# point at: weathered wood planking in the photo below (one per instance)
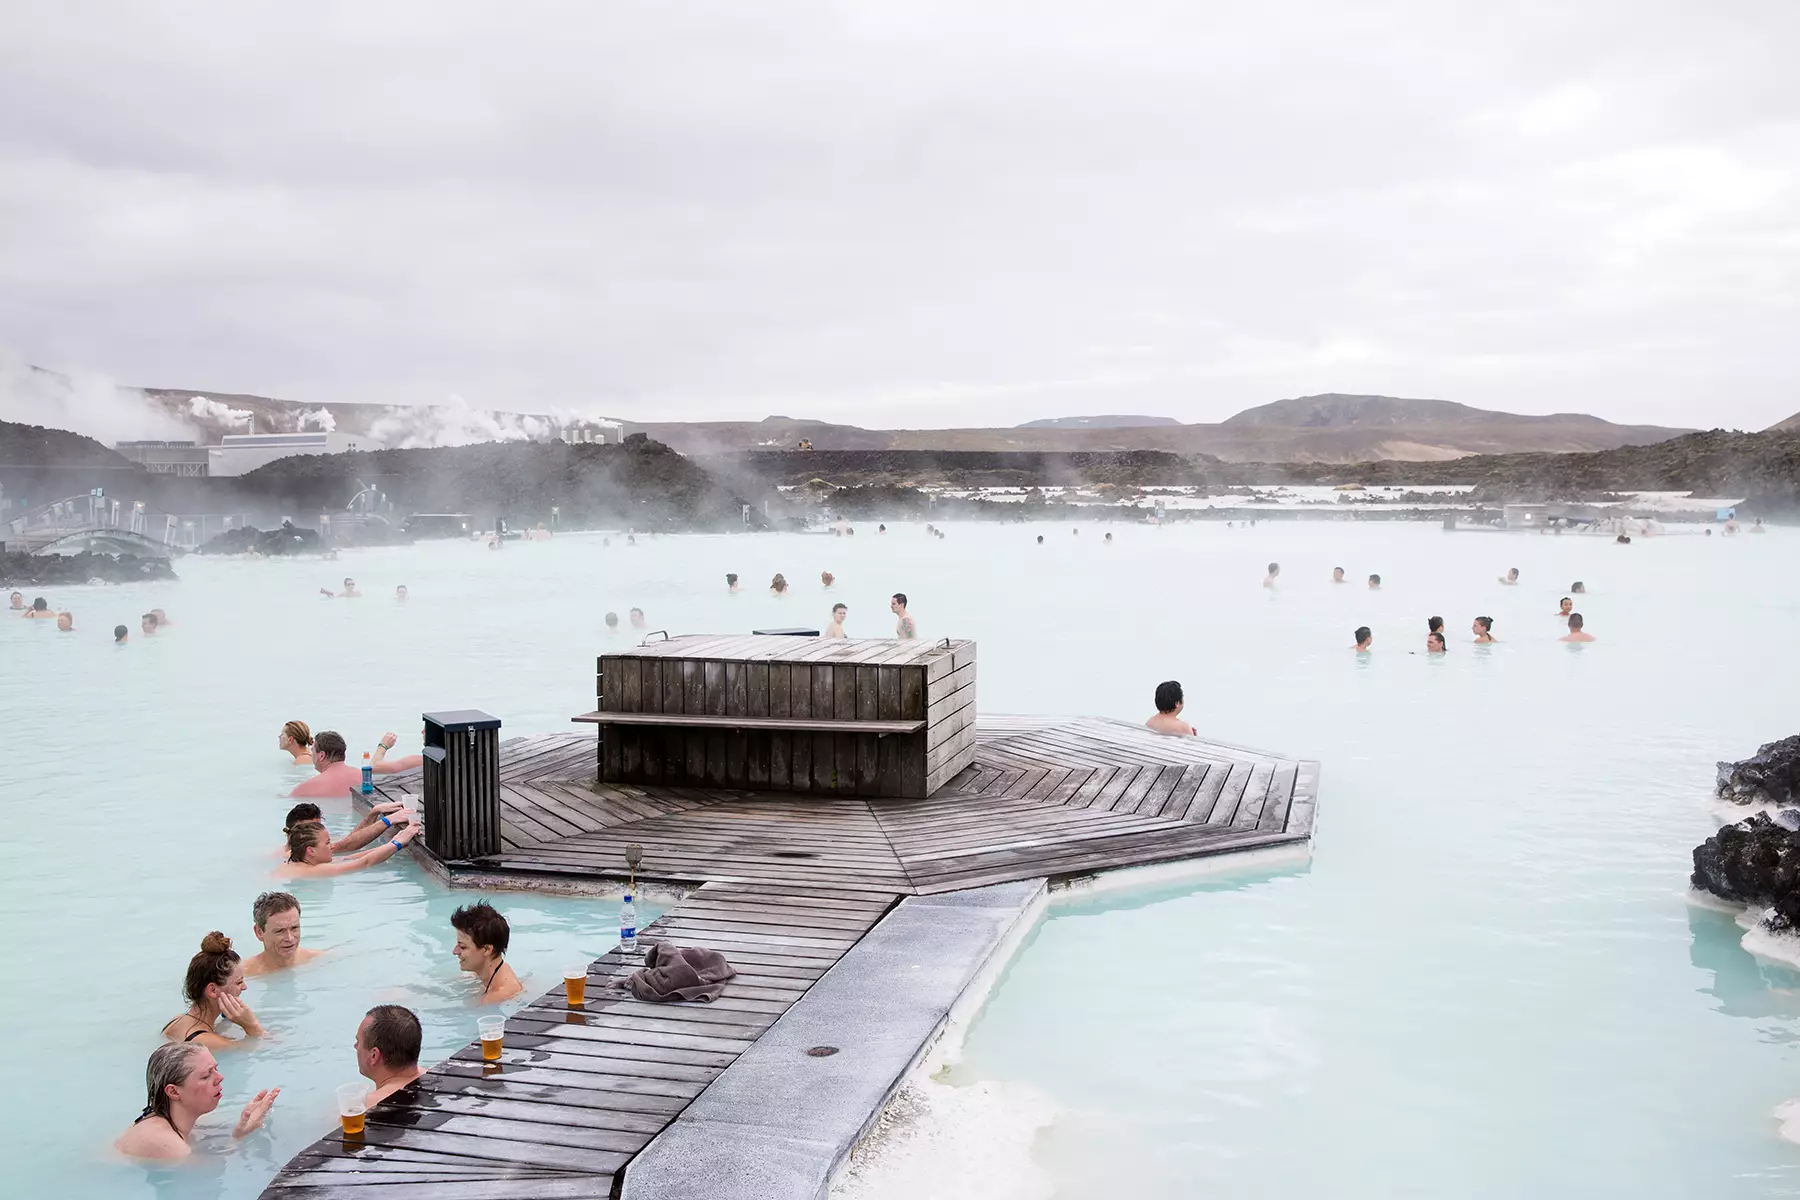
(839, 717)
(578, 1091)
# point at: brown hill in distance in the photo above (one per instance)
(1337, 410)
(1791, 425)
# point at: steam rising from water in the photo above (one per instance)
(456, 423)
(83, 401)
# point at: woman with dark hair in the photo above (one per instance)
(778, 586)
(1434, 643)
(215, 980)
(1483, 629)
(183, 1084)
(1434, 625)
(296, 738)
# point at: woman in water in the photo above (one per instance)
(215, 980)
(296, 738)
(778, 585)
(1434, 625)
(184, 1084)
(1483, 629)
(1434, 643)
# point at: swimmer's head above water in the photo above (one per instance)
(299, 813)
(1565, 607)
(1578, 587)
(612, 620)
(18, 598)
(1168, 697)
(1434, 643)
(1434, 625)
(1337, 574)
(1374, 582)
(120, 635)
(1364, 637)
(328, 747)
(1482, 627)
(147, 622)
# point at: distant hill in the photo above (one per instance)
(1792, 424)
(1336, 410)
(1111, 421)
(36, 447)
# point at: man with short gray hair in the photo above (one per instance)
(276, 923)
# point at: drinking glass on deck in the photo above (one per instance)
(575, 986)
(353, 1103)
(492, 1030)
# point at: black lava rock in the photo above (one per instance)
(247, 539)
(1756, 861)
(1771, 776)
(65, 570)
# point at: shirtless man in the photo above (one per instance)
(400, 593)
(482, 935)
(731, 582)
(39, 611)
(1434, 643)
(1565, 607)
(1576, 632)
(1364, 639)
(1168, 711)
(276, 917)
(349, 592)
(310, 852)
(335, 776)
(65, 621)
(162, 618)
(1483, 629)
(904, 626)
(637, 618)
(826, 579)
(148, 624)
(1374, 583)
(1337, 575)
(836, 628)
(1269, 579)
(383, 765)
(1511, 578)
(387, 1050)
(18, 601)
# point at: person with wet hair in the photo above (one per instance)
(275, 919)
(182, 1083)
(1337, 575)
(778, 586)
(1365, 639)
(1167, 718)
(296, 738)
(39, 611)
(388, 815)
(387, 1050)
(1374, 583)
(1483, 629)
(121, 635)
(212, 986)
(1511, 578)
(731, 584)
(836, 628)
(18, 602)
(334, 776)
(148, 623)
(482, 936)
(1274, 571)
(1576, 632)
(1434, 643)
(612, 622)
(1565, 606)
(1434, 625)
(637, 618)
(312, 853)
(1578, 587)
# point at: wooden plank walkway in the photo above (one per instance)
(579, 1091)
(1057, 797)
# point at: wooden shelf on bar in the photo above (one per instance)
(788, 724)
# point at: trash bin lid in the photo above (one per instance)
(785, 632)
(459, 719)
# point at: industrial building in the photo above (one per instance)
(166, 458)
(241, 453)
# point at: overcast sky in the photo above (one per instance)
(904, 212)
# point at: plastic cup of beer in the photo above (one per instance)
(492, 1030)
(353, 1103)
(575, 986)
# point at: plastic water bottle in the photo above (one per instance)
(628, 926)
(368, 775)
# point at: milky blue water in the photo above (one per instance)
(1487, 982)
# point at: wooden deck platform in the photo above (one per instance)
(1045, 796)
(578, 1092)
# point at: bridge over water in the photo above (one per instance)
(106, 525)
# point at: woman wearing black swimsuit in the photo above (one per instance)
(184, 1085)
(215, 980)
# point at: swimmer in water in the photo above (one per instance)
(612, 622)
(275, 919)
(334, 776)
(1483, 629)
(1565, 606)
(1758, 527)
(214, 983)
(65, 620)
(1511, 578)
(39, 611)
(375, 823)
(1109, 539)
(637, 618)
(147, 623)
(1169, 704)
(836, 628)
(826, 578)
(183, 1084)
(1374, 583)
(296, 738)
(1269, 579)
(904, 627)
(400, 593)
(1364, 639)
(731, 582)
(1434, 625)
(1040, 542)
(18, 598)
(1578, 587)
(482, 935)
(1434, 643)
(778, 586)
(121, 635)
(310, 851)
(387, 1050)
(162, 618)
(381, 764)
(1576, 632)
(1337, 575)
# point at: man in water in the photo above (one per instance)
(387, 1050)
(65, 621)
(482, 935)
(1511, 578)
(1269, 579)
(1374, 583)
(1109, 539)
(18, 599)
(335, 776)
(612, 622)
(1168, 711)
(903, 626)
(1483, 629)
(836, 628)
(637, 618)
(121, 635)
(731, 582)
(162, 618)
(276, 923)
(1364, 639)
(1337, 575)
(310, 852)
(400, 593)
(147, 623)
(1564, 607)
(350, 592)
(381, 764)
(1576, 632)
(39, 611)
(826, 578)
(1434, 643)
(1040, 542)
(1578, 587)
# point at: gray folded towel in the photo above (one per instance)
(679, 973)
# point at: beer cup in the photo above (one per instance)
(353, 1103)
(492, 1030)
(575, 986)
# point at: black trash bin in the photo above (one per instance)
(462, 784)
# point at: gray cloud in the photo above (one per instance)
(911, 212)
